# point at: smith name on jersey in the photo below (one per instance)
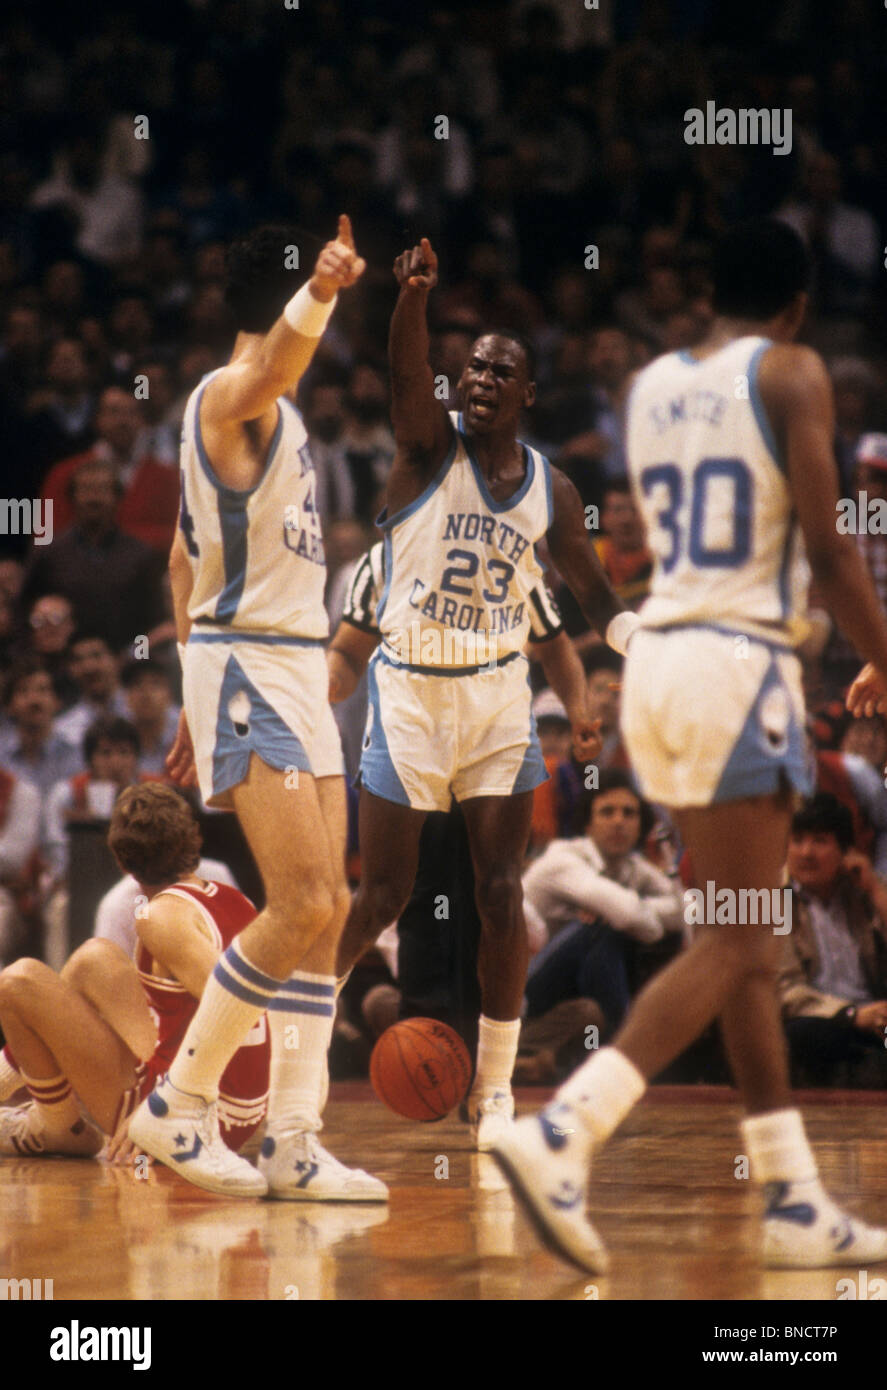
(714, 497)
(460, 567)
(256, 555)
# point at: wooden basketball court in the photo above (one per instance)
(679, 1222)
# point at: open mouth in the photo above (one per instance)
(482, 406)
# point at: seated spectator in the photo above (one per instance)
(148, 692)
(51, 627)
(112, 580)
(855, 779)
(95, 671)
(622, 549)
(603, 670)
(555, 801)
(148, 501)
(61, 414)
(19, 843)
(594, 893)
(111, 752)
(33, 747)
(834, 976)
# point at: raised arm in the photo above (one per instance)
(576, 558)
(797, 396)
(273, 363)
(422, 428)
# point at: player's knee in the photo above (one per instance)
(383, 902)
(306, 910)
(20, 982)
(499, 896)
(92, 955)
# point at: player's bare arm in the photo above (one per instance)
(172, 931)
(422, 428)
(565, 674)
(797, 396)
(347, 657)
(575, 556)
(266, 366)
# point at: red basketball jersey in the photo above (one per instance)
(243, 1089)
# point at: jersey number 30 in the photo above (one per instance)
(669, 476)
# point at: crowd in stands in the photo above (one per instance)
(518, 136)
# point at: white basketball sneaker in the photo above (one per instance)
(546, 1157)
(805, 1229)
(492, 1115)
(182, 1131)
(298, 1169)
(22, 1133)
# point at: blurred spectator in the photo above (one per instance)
(834, 974)
(95, 671)
(111, 579)
(19, 843)
(33, 748)
(152, 711)
(856, 388)
(51, 623)
(603, 667)
(366, 441)
(555, 801)
(149, 491)
(104, 211)
(61, 412)
(622, 549)
(843, 240)
(323, 409)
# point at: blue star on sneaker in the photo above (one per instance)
(180, 1141)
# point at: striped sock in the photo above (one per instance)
(235, 996)
(11, 1079)
(56, 1107)
(301, 1021)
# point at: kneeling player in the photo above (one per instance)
(103, 1031)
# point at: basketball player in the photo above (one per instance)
(248, 574)
(730, 453)
(105, 1029)
(449, 702)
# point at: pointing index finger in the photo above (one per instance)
(345, 233)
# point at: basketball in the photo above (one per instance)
(420, 1069)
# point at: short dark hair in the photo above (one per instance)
(758, 268)
(89, 634)
(617, 484)
(145, 666)
(28, 665)
(825, 814)
(602, 658)
(523, 343)
(115, 730)
(257, 281)
(614, 779)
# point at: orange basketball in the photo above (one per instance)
(420, 1069)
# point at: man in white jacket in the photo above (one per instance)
(593, 892)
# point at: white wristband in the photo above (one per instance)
(619, 631)
(307, 315)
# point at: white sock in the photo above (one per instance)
(778, 1148)
(496, 1054)
(11, 1079)
(603, 1091)
(301, 1019)
(234, 997)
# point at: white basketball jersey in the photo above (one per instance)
(257, 556)
(460, 567)
(715, 498)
